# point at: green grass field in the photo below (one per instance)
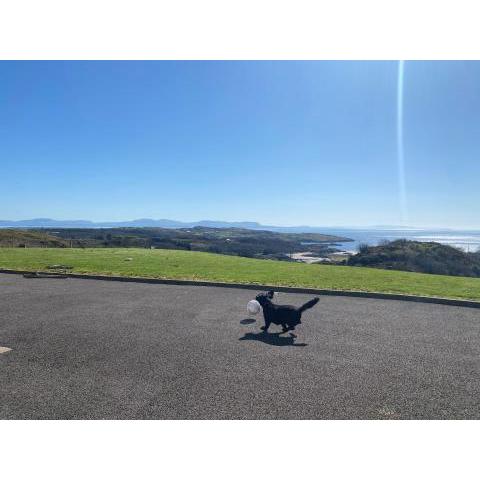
(176, 264)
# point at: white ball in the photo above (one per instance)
(253, 307)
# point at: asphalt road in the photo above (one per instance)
(89, 349)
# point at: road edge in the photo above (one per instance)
(253, 286)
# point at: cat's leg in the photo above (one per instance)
(266, 326)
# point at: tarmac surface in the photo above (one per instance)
(90, 349)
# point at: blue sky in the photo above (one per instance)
(286, 143)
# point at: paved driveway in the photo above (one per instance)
(97, 349)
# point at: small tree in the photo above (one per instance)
(363, 247)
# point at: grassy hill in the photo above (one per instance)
(21, 238)
(177, 264)
(411, 256)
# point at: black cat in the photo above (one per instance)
(285, 315)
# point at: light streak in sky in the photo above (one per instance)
(400, 153)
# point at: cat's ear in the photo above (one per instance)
(270, 294)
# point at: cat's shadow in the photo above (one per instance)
(275, 339)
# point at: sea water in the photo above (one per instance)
(467, 240)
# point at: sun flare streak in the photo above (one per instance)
(400, 154)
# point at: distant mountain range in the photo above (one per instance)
(146, 222)
(165, 223)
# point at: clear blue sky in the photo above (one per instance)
(284, 143)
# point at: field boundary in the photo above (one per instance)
(254, 286)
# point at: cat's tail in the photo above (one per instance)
(309, 304)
